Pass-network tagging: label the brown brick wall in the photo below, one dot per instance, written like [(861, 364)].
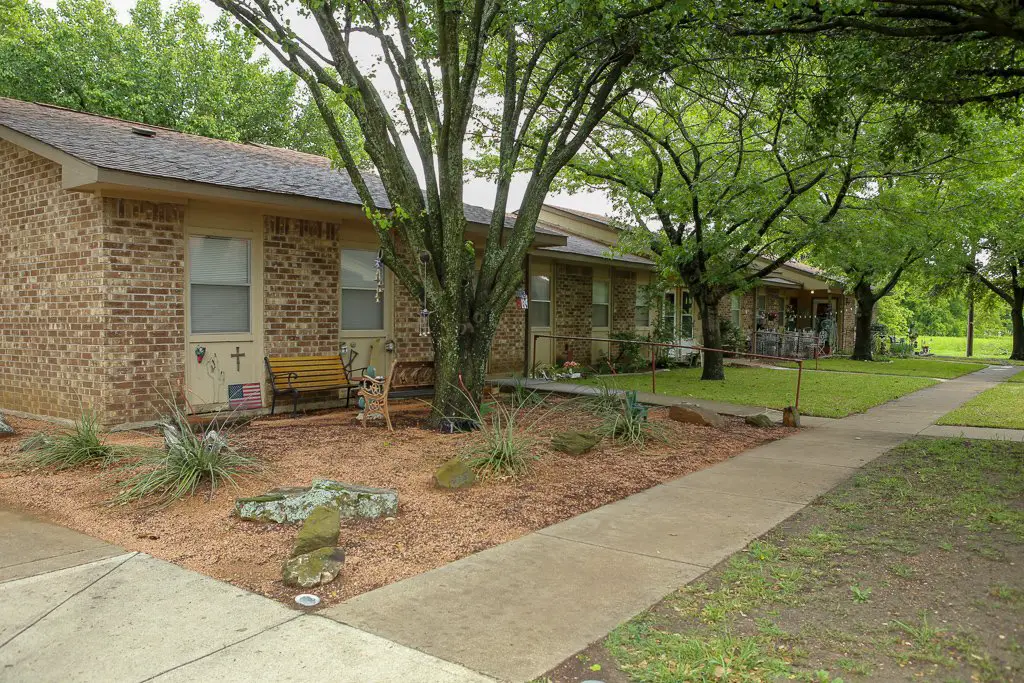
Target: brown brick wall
[(508, 350), (623, 296), (144, 292), (300, 287), (573, 296), (51, 280)]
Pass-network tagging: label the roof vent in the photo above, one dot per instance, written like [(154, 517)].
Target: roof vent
[(144, 132)]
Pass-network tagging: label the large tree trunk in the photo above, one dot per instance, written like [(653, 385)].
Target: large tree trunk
[(707, 305), (1017, 321), (862, 340), (461, 352)]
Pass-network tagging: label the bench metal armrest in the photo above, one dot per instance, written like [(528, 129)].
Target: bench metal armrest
[(288, 375)]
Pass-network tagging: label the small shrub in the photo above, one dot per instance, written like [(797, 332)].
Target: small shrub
[(503, 446), (188, 461), (80, 445), (606, 400), (628, 423), (524, 396)]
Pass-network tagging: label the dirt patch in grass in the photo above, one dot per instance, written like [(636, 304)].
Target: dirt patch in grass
[(433, 526), (913, 570)]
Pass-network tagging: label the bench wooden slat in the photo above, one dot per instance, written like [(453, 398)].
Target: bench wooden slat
[(293, 375)]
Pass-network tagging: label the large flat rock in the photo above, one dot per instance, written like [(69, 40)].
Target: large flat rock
[(295, 504)]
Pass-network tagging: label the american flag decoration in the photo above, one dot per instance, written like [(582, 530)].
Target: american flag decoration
[(245, 396)]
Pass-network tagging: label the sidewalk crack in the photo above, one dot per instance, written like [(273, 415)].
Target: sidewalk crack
[(69, 598)]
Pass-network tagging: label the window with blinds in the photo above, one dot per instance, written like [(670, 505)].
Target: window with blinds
[(540, 301), (219, 284), (360, 310), (601, 308)]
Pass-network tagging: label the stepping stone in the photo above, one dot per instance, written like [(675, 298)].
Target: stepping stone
[(293, 505)]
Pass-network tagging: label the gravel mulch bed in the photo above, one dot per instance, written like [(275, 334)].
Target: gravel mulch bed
[(433, 527)]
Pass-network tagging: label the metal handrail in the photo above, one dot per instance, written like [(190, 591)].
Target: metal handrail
[(799, 361)]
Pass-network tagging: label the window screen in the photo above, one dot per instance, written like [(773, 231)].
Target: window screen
[(360, 309), (735, 302), (219, 283), (540, 301)]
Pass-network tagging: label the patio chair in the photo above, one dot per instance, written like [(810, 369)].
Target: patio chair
[(374, 392)]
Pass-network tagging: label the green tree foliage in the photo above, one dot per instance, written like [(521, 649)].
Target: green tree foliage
[(893, 228), (939, 52), (738, 161), (538, 76), (165, 68), (993, 188)]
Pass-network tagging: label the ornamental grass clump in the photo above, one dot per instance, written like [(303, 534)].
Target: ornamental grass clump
[(503, 446), (82, 444), (629, 424), (188, 461)]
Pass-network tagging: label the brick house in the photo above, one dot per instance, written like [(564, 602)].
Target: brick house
[(135, 261)]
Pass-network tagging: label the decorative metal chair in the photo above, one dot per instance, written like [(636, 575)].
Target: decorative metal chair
[(374, 392)]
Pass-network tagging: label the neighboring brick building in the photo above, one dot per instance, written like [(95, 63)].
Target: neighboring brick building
[(140, 264)]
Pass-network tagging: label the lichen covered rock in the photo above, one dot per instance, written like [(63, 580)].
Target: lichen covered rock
[(759, 420), (295, 504), (5, 429), (313, 569), (574, 443), (320, 530), (454, 474)]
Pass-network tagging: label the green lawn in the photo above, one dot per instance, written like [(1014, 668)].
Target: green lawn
[(1019, 377), (825, 394), (986, 347), (1000, 406), (909, 571), (914, 367)]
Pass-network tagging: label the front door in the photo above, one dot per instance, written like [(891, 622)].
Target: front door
[(223, 367)]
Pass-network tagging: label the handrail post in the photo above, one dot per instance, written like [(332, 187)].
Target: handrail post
[(799, 376), (533, 367), (654, 388)]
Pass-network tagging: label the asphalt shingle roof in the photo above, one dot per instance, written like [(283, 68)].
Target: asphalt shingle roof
[(110, 144), (584, 247)]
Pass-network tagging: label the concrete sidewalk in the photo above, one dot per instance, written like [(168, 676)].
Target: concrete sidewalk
[(519, 609), (78, 609)]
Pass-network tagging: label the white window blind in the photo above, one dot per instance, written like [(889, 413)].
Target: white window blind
[(219, 284), (600, 304), (360, 309), (735, 310), (540, 301), (642, 317)]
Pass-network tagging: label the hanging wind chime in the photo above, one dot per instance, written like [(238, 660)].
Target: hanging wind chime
[(378, 264), (424, 317)]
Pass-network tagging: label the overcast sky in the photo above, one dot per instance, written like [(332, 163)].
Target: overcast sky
[(477, 191)]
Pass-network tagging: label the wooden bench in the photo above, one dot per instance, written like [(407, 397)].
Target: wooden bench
[(295, 375), (412, 378), (405, 379)]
